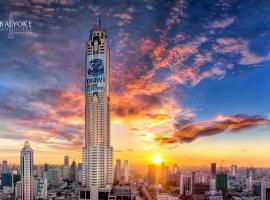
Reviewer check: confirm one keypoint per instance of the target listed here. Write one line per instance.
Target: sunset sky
(190, 80)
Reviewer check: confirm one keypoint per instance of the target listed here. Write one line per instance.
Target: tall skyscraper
(97, 153)
(7, 179)
(73, 171)
(65, 169)
(152, 174)
(40, 188)
(4, 166)
(186, 184)
(26, 171)
(251, 171)
(66, 161)
(126, 171)
(233, 170)
(265, 189)
(117, 171)
(176, 168)
(53, 176)
(213, 170)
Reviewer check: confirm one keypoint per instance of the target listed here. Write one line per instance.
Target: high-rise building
(186, 184)
(7, 179)
(164, 174)
(221, 181)
(152, 174)
(18, 190)
(26, 171)
(117, 171)
(79, 172)
(251, 172)
(265, 189)
(213, 170)
(97, 152)
(65, 168)
(45, 171)
(53, 176)
(233, 170)
(73, 171)
(65, 172)
(176, 169)
(40, 188)
(126, 171)
(66, 160)
(4, 166)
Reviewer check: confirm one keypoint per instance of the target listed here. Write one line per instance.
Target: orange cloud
(188, 132)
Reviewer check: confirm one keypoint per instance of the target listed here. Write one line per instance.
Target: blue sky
(186, 71)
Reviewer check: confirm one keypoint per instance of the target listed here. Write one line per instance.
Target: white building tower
(126, 171)
(26, 171)
(97, 153)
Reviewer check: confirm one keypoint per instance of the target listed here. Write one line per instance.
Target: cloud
(53, 115)
(223, 23)
(239, 46)
(156, 50)
(188, 132)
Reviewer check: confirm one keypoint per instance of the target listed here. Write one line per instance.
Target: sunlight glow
(156, 159)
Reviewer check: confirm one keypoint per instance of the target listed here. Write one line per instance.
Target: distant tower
(4, 166)
(97, 152)
(73, 171)
(126, 170)
(233, 170)
(213, 170)
(117, 172)
(26, 171)
(186, 184)
(66, 161)
(251, 172)
(176, 168)
(152, 174)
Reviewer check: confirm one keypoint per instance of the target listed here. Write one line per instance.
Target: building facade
(7, 179)
(40, 188)
(117, 171)
(66, 160)
(4, 166)
(186, 184)
(233, 170)
(97, 152)
(73, 171)
(126, 171)
(26, 171)
(213, 170)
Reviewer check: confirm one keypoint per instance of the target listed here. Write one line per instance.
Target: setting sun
(156, 159)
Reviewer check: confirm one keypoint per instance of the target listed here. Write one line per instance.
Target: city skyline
(189, 87)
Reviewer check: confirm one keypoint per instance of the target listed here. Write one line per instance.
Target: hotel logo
(16, 27)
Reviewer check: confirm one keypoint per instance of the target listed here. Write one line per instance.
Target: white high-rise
(126, 171)
(97, 153)
(26, 171)
(233, 170)
(186, 184)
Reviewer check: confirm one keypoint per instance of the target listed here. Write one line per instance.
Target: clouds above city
(188, 132)
(159, 50)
